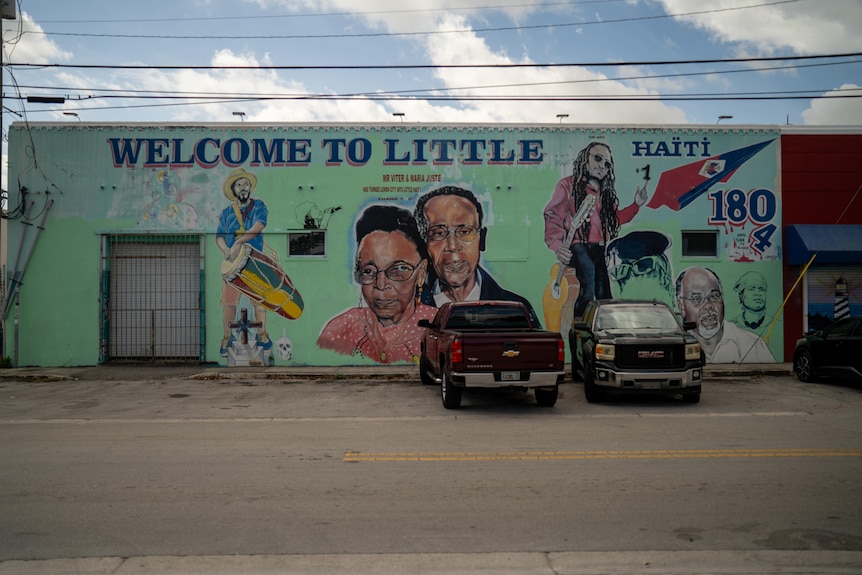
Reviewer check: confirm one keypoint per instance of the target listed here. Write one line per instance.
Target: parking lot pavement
(178, 392)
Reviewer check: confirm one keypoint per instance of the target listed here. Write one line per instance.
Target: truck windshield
(636, 318)
(487, 317)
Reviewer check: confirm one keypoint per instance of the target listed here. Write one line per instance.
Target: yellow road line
(358, 456)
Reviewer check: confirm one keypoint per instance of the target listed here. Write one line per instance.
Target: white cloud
(836, 111)
(525, 82)
(24, 41)
(407, 15)
(823, 27)
(801, 25)
(469, 48)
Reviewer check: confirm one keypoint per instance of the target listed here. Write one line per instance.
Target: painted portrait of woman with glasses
(390, 268)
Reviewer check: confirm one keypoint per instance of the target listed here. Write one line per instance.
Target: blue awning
(833, 244)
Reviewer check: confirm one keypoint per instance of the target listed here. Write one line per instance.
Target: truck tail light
(561, 351)
(457, 350)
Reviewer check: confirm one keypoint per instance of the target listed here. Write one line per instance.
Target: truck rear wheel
(424, 369)
(547, 397)
(450, 394)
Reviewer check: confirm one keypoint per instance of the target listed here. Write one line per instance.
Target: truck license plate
(510, 376)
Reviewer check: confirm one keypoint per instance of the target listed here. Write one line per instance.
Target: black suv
(635, 346)
(835, 350)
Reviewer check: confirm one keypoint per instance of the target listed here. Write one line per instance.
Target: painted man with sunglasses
(639, 265)
(592, 177)
(450, 220)
(700, 299)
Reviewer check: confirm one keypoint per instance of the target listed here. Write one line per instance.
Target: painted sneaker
(226, 343)
(263, 341)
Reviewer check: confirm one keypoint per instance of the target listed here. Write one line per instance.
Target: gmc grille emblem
(650, 354)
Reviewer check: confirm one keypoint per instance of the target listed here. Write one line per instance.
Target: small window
(700, 243)
(310, 243)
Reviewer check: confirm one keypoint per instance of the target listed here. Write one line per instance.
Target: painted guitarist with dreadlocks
(592, 177)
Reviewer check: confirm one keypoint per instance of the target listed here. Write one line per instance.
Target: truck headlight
(692, 351)
(605, 351)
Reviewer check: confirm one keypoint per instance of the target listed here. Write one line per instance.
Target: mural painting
(582, 216)
(751, 288)
(390, 269)
(450, 219)
(248, 271)
(377, 226)
(640, 268)
(833, 292)
(168, 209)
(700, 298)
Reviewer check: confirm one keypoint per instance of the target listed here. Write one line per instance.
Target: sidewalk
(128, 372)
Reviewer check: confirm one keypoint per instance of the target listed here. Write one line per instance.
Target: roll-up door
(153, 298)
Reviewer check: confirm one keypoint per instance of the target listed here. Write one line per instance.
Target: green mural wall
(687, 197)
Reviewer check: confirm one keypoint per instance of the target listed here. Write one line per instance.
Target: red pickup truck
(490, 344)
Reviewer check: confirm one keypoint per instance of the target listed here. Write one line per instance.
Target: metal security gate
(152, 294)
(832, 291)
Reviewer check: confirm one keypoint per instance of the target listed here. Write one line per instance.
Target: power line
(384, 98)
(245, 37)
(418, 91)
(330, 14)
(438, 66)
(432, 94)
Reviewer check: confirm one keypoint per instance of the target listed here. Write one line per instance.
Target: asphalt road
(252, 475)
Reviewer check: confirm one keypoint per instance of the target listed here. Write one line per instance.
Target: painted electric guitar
(558, 288)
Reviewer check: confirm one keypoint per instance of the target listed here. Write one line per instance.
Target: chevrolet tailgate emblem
(511, 353)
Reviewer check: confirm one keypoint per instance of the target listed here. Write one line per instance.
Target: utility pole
(8, 11)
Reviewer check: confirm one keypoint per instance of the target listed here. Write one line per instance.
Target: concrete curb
(728, 562)
(126, 372)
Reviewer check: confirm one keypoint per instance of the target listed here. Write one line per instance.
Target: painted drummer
(242, 222)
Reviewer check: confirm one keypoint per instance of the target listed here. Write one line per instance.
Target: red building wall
(821, 177)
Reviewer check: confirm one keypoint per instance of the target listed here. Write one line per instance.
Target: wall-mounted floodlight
(720, 118)
(241, 116)
(73, 114)
(561, 116)
(399, 114)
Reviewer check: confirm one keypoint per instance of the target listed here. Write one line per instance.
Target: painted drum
(259, 277)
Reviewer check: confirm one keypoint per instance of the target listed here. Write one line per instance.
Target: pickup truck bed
(490, 344)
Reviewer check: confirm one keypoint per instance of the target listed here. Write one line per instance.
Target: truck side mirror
(689, 326)
(424, 323)
(580, 326)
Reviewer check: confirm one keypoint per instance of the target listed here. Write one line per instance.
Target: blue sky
(630, 36)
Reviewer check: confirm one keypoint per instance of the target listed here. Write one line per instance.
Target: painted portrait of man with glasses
(700, 299)
(450, 221)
